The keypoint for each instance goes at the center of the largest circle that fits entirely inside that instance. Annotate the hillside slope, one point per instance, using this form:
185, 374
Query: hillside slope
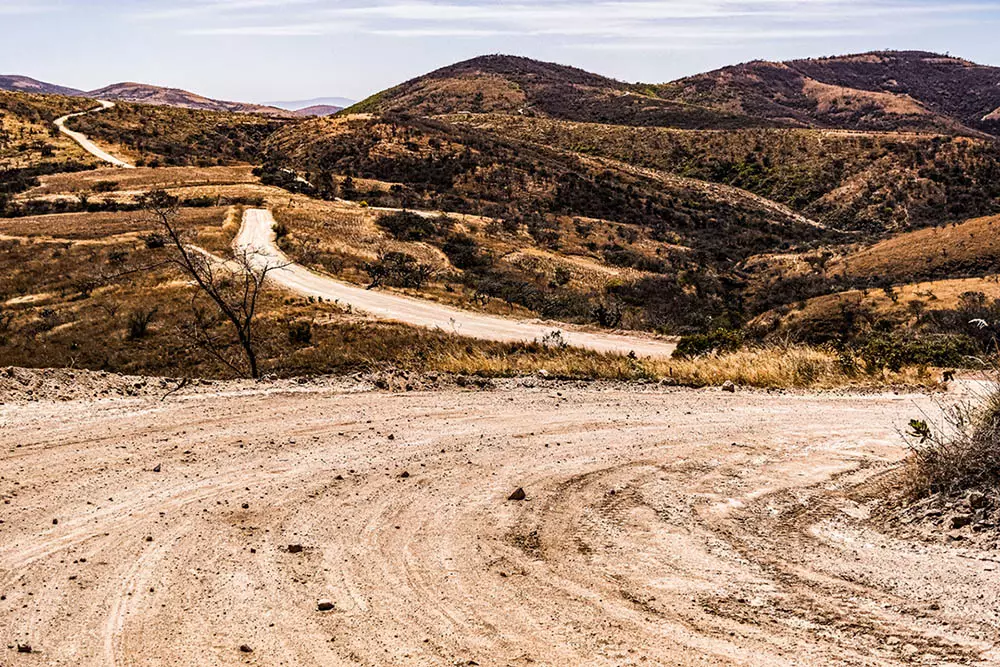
155, 95
24, 84
871, 182
515, 85
898, 90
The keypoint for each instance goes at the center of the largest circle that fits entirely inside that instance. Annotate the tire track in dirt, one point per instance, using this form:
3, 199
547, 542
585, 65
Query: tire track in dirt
680, 527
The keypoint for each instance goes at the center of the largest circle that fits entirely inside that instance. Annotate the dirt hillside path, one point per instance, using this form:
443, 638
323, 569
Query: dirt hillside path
661, 528
86, 143
256, 233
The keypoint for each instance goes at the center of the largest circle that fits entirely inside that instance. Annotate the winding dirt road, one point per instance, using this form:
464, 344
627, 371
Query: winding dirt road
660, 528
86, 143
257, 235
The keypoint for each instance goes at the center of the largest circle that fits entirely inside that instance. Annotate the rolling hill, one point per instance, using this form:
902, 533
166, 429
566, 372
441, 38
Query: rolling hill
299, 105
24, 84
516, 85
881, 91
141, 93
318, 110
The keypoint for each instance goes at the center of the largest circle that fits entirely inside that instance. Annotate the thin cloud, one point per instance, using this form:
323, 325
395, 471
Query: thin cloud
607, 24
19, 8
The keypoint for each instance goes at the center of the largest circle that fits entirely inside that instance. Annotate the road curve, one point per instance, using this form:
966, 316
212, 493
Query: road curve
660, 528
86, 143
257, 235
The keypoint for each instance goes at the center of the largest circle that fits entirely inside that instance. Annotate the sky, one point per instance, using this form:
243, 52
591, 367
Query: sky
264, 50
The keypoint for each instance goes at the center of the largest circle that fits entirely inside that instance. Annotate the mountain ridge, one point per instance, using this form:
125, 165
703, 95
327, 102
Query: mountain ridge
874, 91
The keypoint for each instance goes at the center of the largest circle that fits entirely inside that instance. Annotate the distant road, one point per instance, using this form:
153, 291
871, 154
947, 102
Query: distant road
86, 143
257, 234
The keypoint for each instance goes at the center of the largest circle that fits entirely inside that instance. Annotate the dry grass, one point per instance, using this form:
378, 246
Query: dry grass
901, 304
142, 179
971, 247
58, 310
961, 453
96, 226
776, 367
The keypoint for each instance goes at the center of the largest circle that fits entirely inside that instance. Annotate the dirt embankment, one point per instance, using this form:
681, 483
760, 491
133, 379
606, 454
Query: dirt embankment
660, 527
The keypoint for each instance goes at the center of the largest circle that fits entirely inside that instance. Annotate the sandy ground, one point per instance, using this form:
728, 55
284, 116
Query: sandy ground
257, 235
661, 527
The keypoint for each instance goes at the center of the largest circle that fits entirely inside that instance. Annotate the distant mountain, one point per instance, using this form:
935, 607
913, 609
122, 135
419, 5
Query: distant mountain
318, 110
174, 97
24, 84
891, 90
299, 105
511, 84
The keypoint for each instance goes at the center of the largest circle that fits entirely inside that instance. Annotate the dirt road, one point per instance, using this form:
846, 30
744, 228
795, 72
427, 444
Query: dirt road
86, 143
257, 234
660, 528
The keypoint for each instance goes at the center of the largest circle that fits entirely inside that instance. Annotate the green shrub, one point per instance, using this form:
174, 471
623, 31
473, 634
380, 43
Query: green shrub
720, 340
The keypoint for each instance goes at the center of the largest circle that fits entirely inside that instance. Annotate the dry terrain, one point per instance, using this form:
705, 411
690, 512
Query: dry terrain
660, 527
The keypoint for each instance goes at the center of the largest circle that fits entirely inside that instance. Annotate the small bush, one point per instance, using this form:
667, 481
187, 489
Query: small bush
105, 186
138, 323
397, 269
893, 351
154, 240
280, 230
963, 455
720, 340
300, 333
406, 226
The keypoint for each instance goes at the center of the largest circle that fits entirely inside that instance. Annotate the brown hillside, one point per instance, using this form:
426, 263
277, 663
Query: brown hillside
141, 93
970, 248
874, 91
24, 84
514, 85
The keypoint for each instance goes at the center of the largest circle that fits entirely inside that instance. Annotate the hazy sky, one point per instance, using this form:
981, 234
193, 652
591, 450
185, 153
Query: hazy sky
258, 50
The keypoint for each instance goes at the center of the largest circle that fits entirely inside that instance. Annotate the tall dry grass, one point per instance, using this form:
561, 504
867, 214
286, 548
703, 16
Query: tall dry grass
774, 367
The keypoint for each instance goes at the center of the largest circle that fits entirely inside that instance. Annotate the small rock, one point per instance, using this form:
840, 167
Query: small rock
543, 373
960, 520
325, 605
517, 495
404, 474
158, 467
392, 437
294, 548
245, 649
24, 648
729, 387
976, 500
55, 522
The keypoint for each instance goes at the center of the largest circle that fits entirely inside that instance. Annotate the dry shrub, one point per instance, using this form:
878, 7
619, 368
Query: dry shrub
962, 455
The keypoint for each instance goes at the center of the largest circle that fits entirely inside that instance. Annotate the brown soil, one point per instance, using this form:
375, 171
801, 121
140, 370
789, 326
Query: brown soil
660, 527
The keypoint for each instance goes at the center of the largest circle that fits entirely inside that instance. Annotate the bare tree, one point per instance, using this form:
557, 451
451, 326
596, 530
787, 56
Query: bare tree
232, 286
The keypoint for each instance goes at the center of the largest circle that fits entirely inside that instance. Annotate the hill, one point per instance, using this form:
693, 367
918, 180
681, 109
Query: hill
515, 85
870, 182
892, 90
141, 93
318, 110
23, 84
299, 105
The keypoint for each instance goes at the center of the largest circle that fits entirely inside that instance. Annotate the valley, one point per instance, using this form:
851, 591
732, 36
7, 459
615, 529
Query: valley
511, 363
